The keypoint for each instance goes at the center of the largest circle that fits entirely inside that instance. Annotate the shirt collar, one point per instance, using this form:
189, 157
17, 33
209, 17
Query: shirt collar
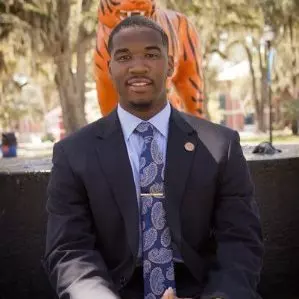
129, 122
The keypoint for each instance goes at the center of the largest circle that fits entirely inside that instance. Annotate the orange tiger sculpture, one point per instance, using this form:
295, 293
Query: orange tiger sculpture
185, 87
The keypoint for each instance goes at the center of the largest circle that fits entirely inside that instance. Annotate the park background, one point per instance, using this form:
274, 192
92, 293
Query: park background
44, 44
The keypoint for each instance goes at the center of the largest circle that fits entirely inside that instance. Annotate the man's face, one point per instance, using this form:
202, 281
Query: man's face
139, 67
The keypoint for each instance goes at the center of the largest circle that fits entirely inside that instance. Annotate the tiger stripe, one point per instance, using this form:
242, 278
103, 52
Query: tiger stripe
114, 3
185, 53
98, 66
195, 85
99, 52
192, 49
108, 6
179, 22
172, 36
196, 100
106, 47
102, 8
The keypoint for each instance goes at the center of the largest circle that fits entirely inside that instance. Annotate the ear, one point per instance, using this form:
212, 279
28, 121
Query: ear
170, 66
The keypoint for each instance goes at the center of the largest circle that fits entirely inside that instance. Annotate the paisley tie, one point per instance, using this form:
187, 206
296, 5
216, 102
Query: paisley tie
158, 267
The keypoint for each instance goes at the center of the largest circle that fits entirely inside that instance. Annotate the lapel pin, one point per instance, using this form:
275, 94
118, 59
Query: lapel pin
189, 146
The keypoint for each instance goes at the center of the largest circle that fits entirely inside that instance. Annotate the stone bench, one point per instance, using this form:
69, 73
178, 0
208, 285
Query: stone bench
23, 223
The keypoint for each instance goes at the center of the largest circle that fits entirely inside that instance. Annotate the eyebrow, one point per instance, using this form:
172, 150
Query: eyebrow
119, 51
153, 48
126, 50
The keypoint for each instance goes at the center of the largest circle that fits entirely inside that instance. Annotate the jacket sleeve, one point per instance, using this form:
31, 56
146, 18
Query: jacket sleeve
75, 269
237, 228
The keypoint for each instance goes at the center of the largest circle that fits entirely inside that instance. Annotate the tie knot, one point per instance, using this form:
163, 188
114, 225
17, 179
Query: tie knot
145, 129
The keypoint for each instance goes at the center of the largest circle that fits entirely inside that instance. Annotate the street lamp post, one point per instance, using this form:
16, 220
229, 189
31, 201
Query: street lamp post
268, 38
267, 147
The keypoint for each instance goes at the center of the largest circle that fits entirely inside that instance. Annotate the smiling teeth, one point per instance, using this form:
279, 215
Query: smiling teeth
139, 84
126, 13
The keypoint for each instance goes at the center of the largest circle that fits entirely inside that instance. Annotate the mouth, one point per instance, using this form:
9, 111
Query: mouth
126, 13
139, 84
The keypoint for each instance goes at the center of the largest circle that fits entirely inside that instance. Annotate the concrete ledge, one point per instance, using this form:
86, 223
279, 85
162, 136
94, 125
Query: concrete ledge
277, 194
23, 223
22, 231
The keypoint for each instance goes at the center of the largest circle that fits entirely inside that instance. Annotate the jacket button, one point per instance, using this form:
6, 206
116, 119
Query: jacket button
122, 281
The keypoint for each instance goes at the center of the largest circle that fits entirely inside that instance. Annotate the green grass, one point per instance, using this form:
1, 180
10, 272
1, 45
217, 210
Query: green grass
278, 139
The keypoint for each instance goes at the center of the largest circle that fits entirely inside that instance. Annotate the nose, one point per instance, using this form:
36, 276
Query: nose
138, 66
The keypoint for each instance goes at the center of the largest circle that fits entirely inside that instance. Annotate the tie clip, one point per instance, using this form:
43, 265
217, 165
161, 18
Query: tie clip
152, 194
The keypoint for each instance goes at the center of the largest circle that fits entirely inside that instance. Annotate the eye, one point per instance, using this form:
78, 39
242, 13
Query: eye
123, 58
151, 55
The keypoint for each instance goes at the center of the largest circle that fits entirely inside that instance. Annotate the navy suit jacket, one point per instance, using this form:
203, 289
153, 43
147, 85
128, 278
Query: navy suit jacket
92, 233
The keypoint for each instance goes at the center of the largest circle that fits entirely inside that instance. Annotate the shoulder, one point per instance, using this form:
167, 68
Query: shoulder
77, 149
204, 127
216, 138
80, 139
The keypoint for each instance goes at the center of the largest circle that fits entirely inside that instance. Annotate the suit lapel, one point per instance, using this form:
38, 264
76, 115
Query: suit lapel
114, 160
181, 147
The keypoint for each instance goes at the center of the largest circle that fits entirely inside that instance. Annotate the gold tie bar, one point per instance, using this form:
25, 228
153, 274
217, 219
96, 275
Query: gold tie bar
152, 194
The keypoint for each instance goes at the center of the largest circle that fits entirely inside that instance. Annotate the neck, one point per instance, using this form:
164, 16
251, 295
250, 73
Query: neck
144, 112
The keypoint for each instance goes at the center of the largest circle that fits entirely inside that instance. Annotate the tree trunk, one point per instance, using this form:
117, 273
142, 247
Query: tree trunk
263, 91
82, 48
259, 109
263, 101
295, 128
84, 42
71, 91
294, 57
70, 96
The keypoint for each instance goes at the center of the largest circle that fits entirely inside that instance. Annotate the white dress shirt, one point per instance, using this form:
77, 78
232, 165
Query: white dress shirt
134, 143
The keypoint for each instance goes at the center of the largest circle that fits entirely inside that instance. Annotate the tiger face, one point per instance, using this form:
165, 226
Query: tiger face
111, 12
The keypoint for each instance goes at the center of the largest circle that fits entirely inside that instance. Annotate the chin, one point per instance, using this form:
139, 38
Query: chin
141, 103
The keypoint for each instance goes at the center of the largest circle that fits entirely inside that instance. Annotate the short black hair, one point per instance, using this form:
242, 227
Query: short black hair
137, 21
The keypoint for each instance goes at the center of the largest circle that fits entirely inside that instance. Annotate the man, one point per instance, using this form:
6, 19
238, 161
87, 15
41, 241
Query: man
149, 202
